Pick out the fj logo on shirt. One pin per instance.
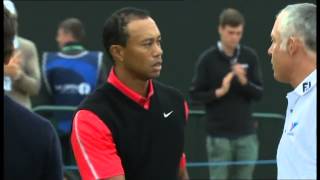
(306, 86)
(165, 115)
(293, 125)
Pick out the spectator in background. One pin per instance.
(227, 78)
(294, 61)
(22, 73)
(70, 75)
(31, 146)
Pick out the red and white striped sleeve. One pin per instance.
(186, 110)
(94, 148)
(183, 160)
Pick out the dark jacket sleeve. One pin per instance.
(254, 88)
(54, 166)
(200, 91)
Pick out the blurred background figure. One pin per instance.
(31, 145)
(22, 74)
(227, 78)
(70, 75)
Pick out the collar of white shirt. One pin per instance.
(306, 85)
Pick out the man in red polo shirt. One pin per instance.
(132, 127)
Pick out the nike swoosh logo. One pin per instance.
(165, 115)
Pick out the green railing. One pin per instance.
(48, 108)
(53, 108)
(255, 114)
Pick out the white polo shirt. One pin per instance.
(296, 156)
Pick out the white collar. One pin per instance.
(306, 85)
(16, 43)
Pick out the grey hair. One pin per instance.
(300, 21)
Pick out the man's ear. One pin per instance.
(117, 52)
(69, 37)
(292, 45)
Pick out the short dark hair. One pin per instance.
(231, 17)
(114, 30)
(8, 33)
(75, 27)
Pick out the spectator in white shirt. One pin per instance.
(294, 55)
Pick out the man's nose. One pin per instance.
(158, 50)
(270, 50)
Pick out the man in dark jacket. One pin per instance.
(31, 146)
(226, 80)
